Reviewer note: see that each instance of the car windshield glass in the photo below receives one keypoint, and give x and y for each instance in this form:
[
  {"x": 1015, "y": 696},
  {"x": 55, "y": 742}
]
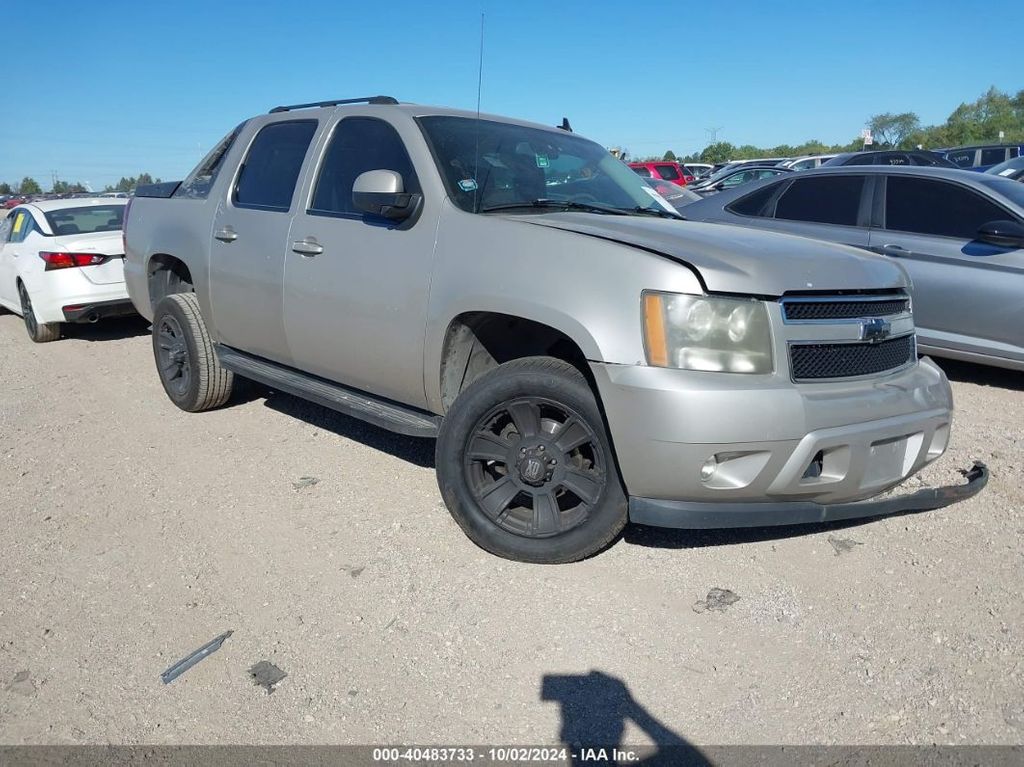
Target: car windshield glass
[
  {"x": 1008, "y": 188},
  {"x": 488, "y": 165},
  {"x": 95, "y": 218},
  {"x": 1008, "y": 167}
]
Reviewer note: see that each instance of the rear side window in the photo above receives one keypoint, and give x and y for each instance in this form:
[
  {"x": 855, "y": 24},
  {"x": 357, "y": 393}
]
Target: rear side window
[
  {"x": 822, "y": 200},
  {"x": 862, "y": 159},
  {"x": 993, "y": 156},
  {"x": 753, "y": 204},
  {"x": 199, "y": 182},
  {"x": 267, "y": 178},
  {"x": 924, "y": 206},
  {"x": 22, "y": 225},
  {"x": 668, "y": 172},
  {"x": 359, "y": 144},
  {"x": 642, "y": 171},
  {"x": 962, "y": 159}
]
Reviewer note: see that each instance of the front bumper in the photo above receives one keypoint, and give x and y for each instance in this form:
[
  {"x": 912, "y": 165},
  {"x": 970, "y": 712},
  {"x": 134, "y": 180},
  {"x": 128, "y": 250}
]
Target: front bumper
[
  {"x": 771, "y": 443},
  {"x": 699, "y": 516}
]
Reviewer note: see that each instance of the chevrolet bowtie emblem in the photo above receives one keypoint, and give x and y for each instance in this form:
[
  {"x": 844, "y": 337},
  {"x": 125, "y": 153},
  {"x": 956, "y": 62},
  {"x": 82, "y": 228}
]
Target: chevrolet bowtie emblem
[{"x": 875, "y": 330}]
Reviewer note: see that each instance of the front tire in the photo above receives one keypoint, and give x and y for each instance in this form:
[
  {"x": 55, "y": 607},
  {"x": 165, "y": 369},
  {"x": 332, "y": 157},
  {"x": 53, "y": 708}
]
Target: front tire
[
  {"x": 525, "y": 464},
  {"x": 40, "y": 332},
  {"x": 186, "y": 361}
]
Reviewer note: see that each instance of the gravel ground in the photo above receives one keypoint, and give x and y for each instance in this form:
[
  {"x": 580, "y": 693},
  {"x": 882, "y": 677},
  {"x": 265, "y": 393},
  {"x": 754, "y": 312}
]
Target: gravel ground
[{"x": 133, "y": 533}]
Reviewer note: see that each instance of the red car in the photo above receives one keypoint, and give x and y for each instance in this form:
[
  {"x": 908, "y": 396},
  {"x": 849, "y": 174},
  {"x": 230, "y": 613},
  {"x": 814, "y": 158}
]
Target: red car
[
  {"x": 13, "y": 202},
  {"x": 669, "y": 171}
]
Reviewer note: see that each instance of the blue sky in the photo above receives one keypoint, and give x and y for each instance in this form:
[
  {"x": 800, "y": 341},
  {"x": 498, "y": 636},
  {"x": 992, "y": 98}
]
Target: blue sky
[{"x": 117, "y": 88}]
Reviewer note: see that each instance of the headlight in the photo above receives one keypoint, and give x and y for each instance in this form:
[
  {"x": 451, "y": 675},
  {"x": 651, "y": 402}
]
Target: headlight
[{"x": 729, "y": 335}]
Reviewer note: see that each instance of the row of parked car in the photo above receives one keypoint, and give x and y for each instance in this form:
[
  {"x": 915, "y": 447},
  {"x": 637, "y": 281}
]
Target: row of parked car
[
  {"x": 704, "y": 179},
  {"x": 583, "y": 354}
]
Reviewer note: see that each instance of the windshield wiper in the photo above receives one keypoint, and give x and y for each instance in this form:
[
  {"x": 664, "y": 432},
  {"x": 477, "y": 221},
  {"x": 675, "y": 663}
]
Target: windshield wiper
[
  {"x": 557, "y": 205},
  {"x": 661, "y": 212}
]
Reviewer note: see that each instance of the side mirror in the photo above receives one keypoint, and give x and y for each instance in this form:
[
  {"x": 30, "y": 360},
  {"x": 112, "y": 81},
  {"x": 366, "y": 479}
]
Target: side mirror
[
  {"x": 381, "y": 193},
  {"x": 1008, "y": 234}
]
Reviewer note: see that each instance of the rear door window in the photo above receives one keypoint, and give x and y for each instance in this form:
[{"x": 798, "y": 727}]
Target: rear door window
[
  {"x": 963, "y": 158},
  {"x": 359, "y": 144},
  {"x": 925, "y": 206},
  {"x": 822, "y": 200},
  {"x": 266, "y": 180},
  {"x": 642, "y": 171},
  {"x": 993, "y": 156}
]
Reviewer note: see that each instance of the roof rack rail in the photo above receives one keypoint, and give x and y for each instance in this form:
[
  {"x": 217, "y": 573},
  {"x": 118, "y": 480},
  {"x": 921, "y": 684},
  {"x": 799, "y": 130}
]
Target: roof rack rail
[{"x": 364, "y": 100}]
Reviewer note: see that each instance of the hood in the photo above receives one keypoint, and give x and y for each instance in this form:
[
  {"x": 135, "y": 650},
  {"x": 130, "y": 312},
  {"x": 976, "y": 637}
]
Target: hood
[{"x": 734, "y": 259}]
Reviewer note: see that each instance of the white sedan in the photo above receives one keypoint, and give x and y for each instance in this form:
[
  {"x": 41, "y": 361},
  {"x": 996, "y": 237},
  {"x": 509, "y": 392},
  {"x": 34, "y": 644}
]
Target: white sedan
[{"x": 63, "y": 261}]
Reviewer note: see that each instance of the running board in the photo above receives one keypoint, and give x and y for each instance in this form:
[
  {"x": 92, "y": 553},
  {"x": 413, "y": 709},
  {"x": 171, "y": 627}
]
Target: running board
[{"x": 380, "y": 412}]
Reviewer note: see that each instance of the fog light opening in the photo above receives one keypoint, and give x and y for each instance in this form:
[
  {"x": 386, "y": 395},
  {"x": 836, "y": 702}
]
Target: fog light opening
[
  {"x": 707, "y": 471},
  {"x": 814, "y": 468}
]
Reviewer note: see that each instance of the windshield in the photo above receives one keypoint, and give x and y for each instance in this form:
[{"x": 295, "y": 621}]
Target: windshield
[
  {"x": 1008, "y": 188},
  {"x": 1007, "y": 168},
  {"x": 488, "y": 165},
  {"x": 95, "y": 218}
]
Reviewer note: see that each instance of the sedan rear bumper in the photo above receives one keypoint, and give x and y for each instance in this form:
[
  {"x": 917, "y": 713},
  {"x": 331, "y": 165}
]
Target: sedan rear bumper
[
  {"x": 91, "y": 312},
  {"x": 693, "y": 515}
]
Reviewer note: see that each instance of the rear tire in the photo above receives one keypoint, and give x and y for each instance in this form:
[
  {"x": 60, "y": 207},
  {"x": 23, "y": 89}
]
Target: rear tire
[
  {"x": 525, "y": 464},
  {"x": 40, "y": 332},
  {"x": 185, "y": 358}
]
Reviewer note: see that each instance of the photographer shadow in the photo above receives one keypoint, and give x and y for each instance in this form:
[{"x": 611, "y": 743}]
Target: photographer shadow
[{"x": 595, "y": 709}]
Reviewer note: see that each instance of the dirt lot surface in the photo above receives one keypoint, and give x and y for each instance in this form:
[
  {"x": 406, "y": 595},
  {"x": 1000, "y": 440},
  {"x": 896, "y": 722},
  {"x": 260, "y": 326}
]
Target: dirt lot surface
[{"x": 132, "y": 533}]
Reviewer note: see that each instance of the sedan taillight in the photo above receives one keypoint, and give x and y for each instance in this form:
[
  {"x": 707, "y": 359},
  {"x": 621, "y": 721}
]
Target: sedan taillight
[{"x": 69, "y": 260}]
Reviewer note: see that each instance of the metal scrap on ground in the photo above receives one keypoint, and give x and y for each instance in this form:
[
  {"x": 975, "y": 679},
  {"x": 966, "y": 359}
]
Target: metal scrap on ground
[{"x": 192, "y": 659}]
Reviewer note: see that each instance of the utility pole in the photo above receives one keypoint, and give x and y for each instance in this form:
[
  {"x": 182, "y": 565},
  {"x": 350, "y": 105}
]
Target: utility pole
[{"x": 712, "y": 134}]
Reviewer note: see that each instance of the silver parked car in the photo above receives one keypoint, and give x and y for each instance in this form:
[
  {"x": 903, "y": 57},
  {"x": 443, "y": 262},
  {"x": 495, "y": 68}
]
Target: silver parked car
[
  {"x": 959, "y": 234},
  {"x": 581, "y": 354}
]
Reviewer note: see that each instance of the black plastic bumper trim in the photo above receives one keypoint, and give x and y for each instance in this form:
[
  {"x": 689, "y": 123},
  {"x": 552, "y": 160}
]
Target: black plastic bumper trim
[
  {"x": 692, "y": 515},
  {"x": 101, "y": 309}
]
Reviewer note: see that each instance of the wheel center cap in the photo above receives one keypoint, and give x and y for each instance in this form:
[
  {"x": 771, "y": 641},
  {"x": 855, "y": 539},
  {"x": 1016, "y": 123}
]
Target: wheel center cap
[{"x": 533, "y": 468}]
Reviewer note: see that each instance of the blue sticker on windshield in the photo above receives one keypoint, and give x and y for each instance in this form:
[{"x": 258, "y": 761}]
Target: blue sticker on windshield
[{"x": 468, "y": 185}]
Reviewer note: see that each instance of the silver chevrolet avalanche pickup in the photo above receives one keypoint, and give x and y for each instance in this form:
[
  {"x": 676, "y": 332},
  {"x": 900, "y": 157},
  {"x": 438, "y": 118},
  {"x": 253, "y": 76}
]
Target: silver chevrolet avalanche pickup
[{"x": 582, "y": 355}]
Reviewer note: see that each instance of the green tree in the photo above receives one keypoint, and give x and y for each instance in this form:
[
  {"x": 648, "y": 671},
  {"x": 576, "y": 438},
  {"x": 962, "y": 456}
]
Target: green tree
[
  {"x": 5, "y": 188},
  {"x": 669, "y": 156},
  {"x": 720, "y": 151},
  {"x": 29, "y": 186},
  {"x": 893, "y": 130}
]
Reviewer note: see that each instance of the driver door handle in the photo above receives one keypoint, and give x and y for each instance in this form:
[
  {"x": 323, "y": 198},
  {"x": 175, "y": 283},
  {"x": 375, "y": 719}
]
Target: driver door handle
[
  {"x": 308, "y": 247},
  {"x": 227, "y": 234}
]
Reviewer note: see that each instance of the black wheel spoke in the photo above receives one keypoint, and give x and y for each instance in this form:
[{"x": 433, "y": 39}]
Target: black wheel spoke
[
  {"x": 585, "y": 485},
  {"x": 496, "y": 498},
  {"x": 546, "y": 516},
  {"x": 571, "y": 435},
  {"x": 526, "y": 417},
  {"x": 486, "y": 446}
]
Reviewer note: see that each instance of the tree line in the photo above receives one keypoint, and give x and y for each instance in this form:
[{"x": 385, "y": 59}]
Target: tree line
[
  {"x": 977, "y": 122},
  {"x": 29, "y": 185}
]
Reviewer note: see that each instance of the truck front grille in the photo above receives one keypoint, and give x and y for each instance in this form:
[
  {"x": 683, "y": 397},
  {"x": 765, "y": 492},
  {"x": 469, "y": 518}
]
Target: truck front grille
[
  {"x": 811, "y": 310},
  {"x": 817, "y": 361}
]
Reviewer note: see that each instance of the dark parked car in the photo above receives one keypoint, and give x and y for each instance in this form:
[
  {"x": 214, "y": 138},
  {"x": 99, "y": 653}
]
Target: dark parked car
[
  {"x": 730, "y": 177},
  {"x": 960, "y": 236},
  {"x": 890, "y": 157},
  {"x": 981, "y": 158},
  {"x": 1012, "y": 169}
]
